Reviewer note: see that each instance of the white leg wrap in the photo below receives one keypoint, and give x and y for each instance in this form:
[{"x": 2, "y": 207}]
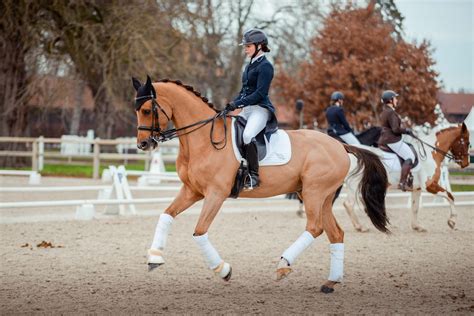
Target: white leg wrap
[
  {"x": 303, "y": 242},
  {"x": 161, "y": 231},
  {"x": 337, "y": 262},
  {"x": 210, "y": 254}
]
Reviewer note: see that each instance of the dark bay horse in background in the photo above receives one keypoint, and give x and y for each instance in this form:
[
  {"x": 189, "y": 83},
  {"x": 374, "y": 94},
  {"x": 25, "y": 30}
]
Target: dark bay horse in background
[{"x": 317, "y": 168}]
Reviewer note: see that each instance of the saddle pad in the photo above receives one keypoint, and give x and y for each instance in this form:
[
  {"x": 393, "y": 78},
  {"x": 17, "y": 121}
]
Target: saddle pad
[
  {"x": 278, "y": 150},
  {"x": 392, "y": 162}
]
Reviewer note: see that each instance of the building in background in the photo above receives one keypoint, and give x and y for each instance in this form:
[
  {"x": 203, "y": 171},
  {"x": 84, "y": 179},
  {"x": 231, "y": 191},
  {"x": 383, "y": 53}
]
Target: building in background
[{"x": 456, "y": 106}]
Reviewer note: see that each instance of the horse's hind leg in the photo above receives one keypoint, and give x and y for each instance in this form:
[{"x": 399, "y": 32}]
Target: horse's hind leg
[
  {"x": 313, "y": 229},
  {"x": 185, "y": 198},
  {"x": 336, "y": 238}
]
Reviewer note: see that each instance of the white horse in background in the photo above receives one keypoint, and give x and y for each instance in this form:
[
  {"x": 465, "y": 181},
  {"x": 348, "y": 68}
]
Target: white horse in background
[{"x": 451, "y": 142}]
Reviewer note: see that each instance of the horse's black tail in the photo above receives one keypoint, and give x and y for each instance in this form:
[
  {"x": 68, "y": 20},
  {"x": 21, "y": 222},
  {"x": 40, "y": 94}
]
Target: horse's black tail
[{"x": 373, "y": 185}]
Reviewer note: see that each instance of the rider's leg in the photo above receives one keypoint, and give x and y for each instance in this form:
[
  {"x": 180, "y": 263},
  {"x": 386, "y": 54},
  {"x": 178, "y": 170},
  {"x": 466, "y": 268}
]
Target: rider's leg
[
  {"x": 256, "y": 122},
  {"x": 404, "y": 151},
  {"x": 350, "y": 139}
]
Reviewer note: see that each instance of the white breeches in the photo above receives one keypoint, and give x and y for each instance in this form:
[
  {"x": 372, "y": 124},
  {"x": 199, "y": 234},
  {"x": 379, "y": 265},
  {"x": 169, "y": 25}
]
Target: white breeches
[
  {"x": 403, "y": 150},
  {"x": 257, "y": 118},
  {"x": 350, "y": 139}
]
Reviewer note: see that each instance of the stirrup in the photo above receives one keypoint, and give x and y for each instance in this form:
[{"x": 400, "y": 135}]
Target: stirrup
[{"x": 248, "y": 184}]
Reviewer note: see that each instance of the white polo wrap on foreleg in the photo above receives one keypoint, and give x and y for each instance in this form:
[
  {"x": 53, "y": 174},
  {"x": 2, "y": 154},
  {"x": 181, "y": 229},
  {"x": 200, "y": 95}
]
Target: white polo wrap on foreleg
[
  {"x": 210, "y": 254},
  {"x": 303, "y": 242},
  {"x": 337, "y": 262},
  {"x": 162, "y": 231}
]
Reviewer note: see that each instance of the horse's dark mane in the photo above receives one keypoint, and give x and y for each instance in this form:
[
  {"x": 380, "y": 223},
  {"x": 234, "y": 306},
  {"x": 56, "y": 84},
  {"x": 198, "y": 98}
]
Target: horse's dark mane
[{"x": 191, "y": 89}]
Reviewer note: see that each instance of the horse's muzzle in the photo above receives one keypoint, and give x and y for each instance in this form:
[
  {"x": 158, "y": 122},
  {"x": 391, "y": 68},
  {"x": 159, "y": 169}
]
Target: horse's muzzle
[{"x": 146, "y": 144}]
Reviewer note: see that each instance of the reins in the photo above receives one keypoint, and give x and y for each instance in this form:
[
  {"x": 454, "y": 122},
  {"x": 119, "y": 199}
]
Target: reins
[
  {"x": 166, "y": 135},
  {"x": 423, "y": 155}
]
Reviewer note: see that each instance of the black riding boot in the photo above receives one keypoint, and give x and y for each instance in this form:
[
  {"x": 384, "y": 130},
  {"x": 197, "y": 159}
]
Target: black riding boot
[
  {"x": 406, "y": 182},
  {"x": 251, "y": 155}
]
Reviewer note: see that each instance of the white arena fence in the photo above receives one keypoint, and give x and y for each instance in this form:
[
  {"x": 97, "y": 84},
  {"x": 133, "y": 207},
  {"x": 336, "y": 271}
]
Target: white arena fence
[
  {"x": 119, "y": 194},
  {"x": 85, "y": 148}
]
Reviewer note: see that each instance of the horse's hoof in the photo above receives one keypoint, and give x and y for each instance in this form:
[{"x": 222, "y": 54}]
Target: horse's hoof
[
  {"x": 153, "y": 266},
  {"x": 300, "y": 213},
  {"x": 451, "y": 223},
  {"x": 419, "y": 229},
  {"x": 227, "y": 277},
  {"x": 326, "y": 289},
  {"x": 362, "y": 229},
  {"x": 283, "y": 273}
]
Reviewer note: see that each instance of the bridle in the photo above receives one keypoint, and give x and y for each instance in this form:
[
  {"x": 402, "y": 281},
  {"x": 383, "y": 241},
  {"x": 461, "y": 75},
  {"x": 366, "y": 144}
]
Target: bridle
[
  {"x": 454, "y": 156},
  {"x": 158, "y": 135}
]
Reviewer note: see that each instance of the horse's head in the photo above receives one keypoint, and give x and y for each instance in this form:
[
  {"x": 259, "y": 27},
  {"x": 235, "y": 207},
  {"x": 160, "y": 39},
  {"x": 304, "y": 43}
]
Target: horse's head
[
  {"x": 152, "y": 117},
  {"x": 458, "y": 140}
]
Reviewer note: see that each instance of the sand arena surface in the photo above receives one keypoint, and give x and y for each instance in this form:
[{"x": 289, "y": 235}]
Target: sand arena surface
[{"x": 102, "y": 265}]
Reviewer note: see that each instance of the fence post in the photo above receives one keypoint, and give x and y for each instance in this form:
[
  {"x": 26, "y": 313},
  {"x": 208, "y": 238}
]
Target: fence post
[
  {"x": 40, "y": 153},
  {"x": 96, "y": 167},
  {"x": 34, "y": 155}
]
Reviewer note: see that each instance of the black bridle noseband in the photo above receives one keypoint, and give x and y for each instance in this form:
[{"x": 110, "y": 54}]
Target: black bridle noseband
[{"x": 157, "y": 135}]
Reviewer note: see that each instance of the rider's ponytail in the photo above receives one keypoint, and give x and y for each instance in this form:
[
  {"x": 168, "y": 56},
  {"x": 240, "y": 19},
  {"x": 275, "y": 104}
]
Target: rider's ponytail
[{"x": 265, "y": 48}]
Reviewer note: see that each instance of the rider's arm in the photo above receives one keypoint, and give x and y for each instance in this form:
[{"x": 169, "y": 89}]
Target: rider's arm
[
  {"x": 264, "y": 80},
  {"x": 395, "y": 125},
  {"x": 342, "y": 119}
]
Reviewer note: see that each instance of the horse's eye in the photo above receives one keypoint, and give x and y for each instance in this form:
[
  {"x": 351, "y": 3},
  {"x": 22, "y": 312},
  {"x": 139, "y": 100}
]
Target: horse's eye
[{"x": 146, "y": 112}]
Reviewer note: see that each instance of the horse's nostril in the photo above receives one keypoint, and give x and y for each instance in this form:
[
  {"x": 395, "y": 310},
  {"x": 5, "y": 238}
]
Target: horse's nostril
[{"x": 143, "y": 145}]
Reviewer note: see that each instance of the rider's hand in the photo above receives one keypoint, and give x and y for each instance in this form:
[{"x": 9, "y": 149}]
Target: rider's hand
[
  {"x": 230, "y": 106},
  {"x": 409, "y": 131}
]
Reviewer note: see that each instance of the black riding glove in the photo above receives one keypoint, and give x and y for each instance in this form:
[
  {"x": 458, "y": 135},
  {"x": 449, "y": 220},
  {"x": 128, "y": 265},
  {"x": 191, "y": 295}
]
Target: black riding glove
[
  {"x": 230, "y": 106},
  {"x": 408, "y": 131}
]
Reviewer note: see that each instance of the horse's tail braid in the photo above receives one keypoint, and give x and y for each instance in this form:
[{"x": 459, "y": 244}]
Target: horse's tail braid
[{"x": 373, "y": 186}]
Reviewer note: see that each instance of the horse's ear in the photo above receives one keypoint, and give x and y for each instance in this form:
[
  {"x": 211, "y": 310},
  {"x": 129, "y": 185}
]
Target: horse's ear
[
  {"x": 464, "y": 128},
  {"x": 149, "y": 86},
  {"x": 136, "y": 83}
]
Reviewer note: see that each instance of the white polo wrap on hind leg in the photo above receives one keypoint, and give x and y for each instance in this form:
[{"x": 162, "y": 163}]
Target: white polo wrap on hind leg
[
  {"x": 162, "y": 231},
  {"x": 336, "y": 272},
  {"x": 303, "y": 242}
]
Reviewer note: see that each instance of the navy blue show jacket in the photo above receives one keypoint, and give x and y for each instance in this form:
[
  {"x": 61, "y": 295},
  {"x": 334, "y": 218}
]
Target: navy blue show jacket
[
  {"x": 337, "y": 120},
  {"x": 256, "y": 81}
]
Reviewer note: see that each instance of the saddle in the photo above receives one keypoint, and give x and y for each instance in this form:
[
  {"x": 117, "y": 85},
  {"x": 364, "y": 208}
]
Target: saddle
[
  {"x": 272, "y": 151},
  {"x": 239, "y": 126},
  {"x": 388, "y": 150}
]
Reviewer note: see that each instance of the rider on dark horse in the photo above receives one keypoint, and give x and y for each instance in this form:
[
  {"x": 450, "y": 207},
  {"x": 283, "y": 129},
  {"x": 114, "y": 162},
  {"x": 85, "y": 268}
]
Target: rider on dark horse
[
  {"x": 337, "y": 123},
  {"x": 391, "y": 136},
  {"x": 253, "y": 98}
]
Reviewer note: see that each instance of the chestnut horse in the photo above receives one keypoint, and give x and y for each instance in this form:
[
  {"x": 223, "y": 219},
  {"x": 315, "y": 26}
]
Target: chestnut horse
[
  {"x": 431, "y": 149},
  {"x": 207, "y": 167}
]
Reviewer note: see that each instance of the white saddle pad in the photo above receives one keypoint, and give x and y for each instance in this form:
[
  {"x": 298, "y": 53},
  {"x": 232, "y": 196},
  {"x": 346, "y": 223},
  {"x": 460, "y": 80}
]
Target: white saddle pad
[
  {"x": 392, "y": 163},
  {"x": 278, "y": 149}
]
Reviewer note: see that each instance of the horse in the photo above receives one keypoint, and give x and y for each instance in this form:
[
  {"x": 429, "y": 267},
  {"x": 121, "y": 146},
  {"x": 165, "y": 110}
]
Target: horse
[
  {"x": 207, "y": 168},
  {"x": 454, "y": 139}
]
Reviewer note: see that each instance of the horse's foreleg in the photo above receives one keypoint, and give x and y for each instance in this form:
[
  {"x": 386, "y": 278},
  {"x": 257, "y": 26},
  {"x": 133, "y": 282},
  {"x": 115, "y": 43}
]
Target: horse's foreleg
[
  {"x": 212, "y": 204},
  {"x": 415, "y": 206},
  {"x": 452, "y": 209},
  {"x": 336, "y": 238},
  {"x": 185, "y": 198}
]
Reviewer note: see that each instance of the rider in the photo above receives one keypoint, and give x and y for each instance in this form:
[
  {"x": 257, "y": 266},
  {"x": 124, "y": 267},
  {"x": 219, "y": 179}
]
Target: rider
[
  {"x": 337, "y": 120},
  {"x": 391, "y": 136},
  {"x": 253, "y": 98}
]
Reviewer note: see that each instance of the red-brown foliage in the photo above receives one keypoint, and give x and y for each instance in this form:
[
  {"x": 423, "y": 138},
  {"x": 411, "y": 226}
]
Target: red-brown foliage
[{"x": 357, "y": 53}]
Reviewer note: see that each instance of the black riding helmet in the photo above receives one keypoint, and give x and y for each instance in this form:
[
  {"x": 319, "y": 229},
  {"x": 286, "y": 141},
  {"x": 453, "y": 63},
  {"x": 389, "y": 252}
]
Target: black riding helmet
[
  {"x": 336, "y": 96},
  {"x": 388, "y": 95},
  {"x": 254, "y": 36}
]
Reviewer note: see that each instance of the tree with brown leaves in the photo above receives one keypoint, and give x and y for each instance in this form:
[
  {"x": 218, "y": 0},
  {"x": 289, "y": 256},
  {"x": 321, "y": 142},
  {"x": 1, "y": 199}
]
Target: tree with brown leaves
[{"x": 360, "y": 54}]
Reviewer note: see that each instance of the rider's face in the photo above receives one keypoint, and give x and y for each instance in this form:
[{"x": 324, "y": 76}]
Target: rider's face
[
  {"x": 249, "y": 50},
  {"x": 395, "y": 102}
]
